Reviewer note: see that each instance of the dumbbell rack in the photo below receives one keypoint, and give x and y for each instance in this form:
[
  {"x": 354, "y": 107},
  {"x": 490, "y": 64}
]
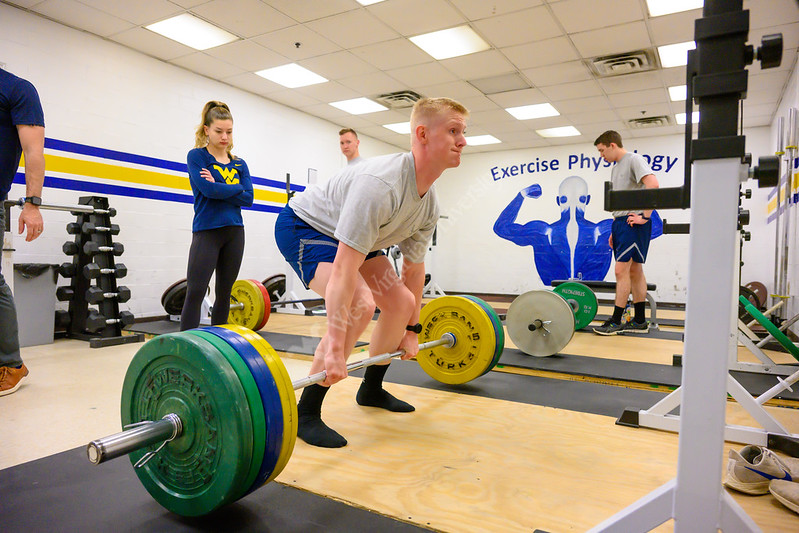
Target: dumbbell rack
[{"x": 79, "y": 310}]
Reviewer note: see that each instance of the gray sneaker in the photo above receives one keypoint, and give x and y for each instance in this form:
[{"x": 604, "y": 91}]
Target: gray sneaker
[
  {"x": 608, "y": 328},
  {"x": 786, "y": 492},
  {"x": 634, "y": 327}
]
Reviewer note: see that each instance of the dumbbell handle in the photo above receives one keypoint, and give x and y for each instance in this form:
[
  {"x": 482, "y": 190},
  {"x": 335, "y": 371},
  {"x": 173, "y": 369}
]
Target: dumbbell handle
[{"x": 170, "y": 427}]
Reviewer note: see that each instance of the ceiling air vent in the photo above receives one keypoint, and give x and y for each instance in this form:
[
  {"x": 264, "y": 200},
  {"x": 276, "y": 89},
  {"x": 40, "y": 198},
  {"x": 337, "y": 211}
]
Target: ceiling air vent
[
  {"x": 649, "y": 122},
  {"x": 627, "y": 63},
  {"x": 398, "y": 99}
]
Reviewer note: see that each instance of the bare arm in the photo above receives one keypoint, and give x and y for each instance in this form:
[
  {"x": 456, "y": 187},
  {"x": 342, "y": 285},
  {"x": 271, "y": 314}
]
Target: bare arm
[
  {"x": 651, "y": 182},
  {"x": 31, "y": 139}
]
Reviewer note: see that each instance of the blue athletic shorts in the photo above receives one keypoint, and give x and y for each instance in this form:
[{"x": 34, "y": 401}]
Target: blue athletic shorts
[
  {"x": 630, "y": 243},
  {"x": 304, "y": 247}
]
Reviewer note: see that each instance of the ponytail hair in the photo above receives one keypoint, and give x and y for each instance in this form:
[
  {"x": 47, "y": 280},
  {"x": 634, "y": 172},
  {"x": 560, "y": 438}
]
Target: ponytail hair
[{"x": 212, "y": 111}]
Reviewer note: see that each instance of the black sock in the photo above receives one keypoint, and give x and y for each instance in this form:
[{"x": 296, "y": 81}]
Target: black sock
[
  {"x": 640, "y": 317},
  {"x": 310, "y": 427},
  {"x": 617, "y": 312},
  {"x": 372, "y": 394}
]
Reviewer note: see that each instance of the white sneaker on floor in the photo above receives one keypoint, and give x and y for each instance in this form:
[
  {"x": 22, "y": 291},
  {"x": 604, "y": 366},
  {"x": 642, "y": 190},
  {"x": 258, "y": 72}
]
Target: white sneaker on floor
[{"x": 751, "y": 469}]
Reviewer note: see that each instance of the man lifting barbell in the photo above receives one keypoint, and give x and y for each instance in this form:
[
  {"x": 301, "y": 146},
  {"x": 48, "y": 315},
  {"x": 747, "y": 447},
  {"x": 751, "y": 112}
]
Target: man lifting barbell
[{"x": 333, "y": 235}]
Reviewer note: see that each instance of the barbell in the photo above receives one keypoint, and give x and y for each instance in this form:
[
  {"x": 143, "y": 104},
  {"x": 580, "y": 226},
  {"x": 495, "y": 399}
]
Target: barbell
[{"x": 210, "y": 414}]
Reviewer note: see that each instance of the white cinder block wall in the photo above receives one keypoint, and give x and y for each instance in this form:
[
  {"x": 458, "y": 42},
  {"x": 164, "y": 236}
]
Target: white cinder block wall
[{"x": 102, "y": 94}]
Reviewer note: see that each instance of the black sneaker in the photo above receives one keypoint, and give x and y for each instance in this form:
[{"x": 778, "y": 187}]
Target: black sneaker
[
  {"x": 634, "y": 327},
  {"x": 609, "y": 328}
]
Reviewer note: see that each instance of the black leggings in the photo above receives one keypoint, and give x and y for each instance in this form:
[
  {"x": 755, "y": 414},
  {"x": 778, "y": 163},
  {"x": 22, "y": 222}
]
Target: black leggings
[{"x": 219, "y": 249}]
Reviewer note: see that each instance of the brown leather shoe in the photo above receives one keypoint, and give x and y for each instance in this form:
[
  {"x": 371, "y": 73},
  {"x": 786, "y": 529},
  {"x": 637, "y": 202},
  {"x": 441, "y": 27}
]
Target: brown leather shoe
[{"x": 11, "y": 378}]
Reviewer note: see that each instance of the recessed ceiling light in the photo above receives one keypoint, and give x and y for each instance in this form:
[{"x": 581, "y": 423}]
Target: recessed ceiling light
[
  {"x": 478, "y": 140},
  {"x": 192, "y": 31},
  {"x": 678, "y": 93},
  {"x": 675, "y": 55},
  {"x": 666, "y": 7},
  {"x": 399, "y": 127},
  {"x": 291, "y": 76},
  {"x": 453, "y": 42},
  {"x": 680, "y": 118},
  {"x": 359, "y": 106},
  {"x": 565, "y": 131},
  {"x": 526, "y": 112}
]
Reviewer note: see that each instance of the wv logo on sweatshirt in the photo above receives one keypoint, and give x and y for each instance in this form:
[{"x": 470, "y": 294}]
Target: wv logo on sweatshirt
[{"x": 230, "y": 175}]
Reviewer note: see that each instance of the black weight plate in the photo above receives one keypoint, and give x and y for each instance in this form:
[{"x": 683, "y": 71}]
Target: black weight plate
[{"x": 275, "y": 286}]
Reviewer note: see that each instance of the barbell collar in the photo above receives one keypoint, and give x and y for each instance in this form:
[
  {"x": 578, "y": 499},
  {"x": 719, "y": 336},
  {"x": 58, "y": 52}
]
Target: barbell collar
[
  {"x": 447, "y": 339},
  {"x": 137, "y": 436}
]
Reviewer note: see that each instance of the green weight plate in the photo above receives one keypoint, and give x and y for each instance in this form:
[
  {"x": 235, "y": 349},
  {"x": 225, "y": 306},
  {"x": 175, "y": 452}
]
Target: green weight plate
[
  {"x": 270, "y": 397},
  {"x": 207, "y": 465},
  {"x": 253, "y": 399},
  {"x": 581, "y": 299},
  {"x": 475, "y": 343},
  {"x": 499, "y": 332},
  {"x": 287, "y": 396},
  {"x": 781, "y": 337},
  {"x": 540, "y": 323}
]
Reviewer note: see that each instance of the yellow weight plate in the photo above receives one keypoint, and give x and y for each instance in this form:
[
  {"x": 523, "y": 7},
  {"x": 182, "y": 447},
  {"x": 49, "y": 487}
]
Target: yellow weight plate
[
  {"x": 475, "y": 340},
  {"x": 251, "y": 314},
  {"x": 288, "y": 399}
]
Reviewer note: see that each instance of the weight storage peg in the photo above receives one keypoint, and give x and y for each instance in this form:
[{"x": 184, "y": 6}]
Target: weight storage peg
[
  {"x": 64, "y": 294},
  {"x": 90, "y": 228},
  {"x": 70, "y": 248},
  {"x": 92, "y": 248},
  {"x": 67, "y": 270},
  {"x": 95, "y": 321},
  {"x": 96, "y": 295},
  {"x": 92, "y": 271}
]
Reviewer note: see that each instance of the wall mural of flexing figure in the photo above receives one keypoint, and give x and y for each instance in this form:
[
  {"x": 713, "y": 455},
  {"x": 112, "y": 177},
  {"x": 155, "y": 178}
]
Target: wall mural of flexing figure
[{"x": 571, "y": 247}]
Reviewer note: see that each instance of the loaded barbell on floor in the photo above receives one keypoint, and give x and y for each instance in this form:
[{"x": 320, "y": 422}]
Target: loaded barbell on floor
[{"x": 210, "y": 414}]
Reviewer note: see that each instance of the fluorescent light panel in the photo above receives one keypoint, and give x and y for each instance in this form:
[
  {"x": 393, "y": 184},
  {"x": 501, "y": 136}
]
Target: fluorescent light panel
[
  {"x": 678, "y": 93},
  {"x": 667, "y": 7},
  {"x": 680, "y": 118},
  {"x": 675, "y": 55},
  {"x": 291, "y": 76},
  {"x": 527, "y": 112},
  {"x": 192, "y": 31},
  {"x": 478, "y": 140},
  {"x": 453, "y": 42},
  {"x": 358, "y": 106},
  {"x": 565, "y": 131},
  {"x": 399, "y": 127}
]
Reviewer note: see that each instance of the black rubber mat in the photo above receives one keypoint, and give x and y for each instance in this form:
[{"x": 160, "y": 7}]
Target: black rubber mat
[
  {"x": 651, "y": 334},
  {"x": 65, "y": 493}
]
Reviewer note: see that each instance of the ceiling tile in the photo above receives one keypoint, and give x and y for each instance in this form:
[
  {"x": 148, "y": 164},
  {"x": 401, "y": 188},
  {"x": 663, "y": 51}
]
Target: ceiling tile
[
  {"x": 673, "y": 76},
  {"x": 247, "y": 55},
  {"x": 455, "y": 89},
  {"x": 207, "y": 65},
  {"x": 425, "y": 74},
  {"x": 246, "y": 18},
  {"x": 549, "y": 52},
  {"x": 631, "y": 82},
  {"x": 642, "y": 97},
  {"x": 493, "y": 116},
  {"x": 612, "y": 40},
  {"x": 520, "y": 27},
  {"x": 569, "y": 71},
  {"x": 337, "y": 65},
  {"x": 341, "y": 29},
  {"x": 579, "y": 105},
  {"x": 82, "y": 16},
  {"x": 480, "y": 9},
  {"x": 307, "y": 10},
  {"x": 292, "y": 98},
  {"x": 328, "y": 92},
  {"x": 392, "y": 54},
  {"x": 592, "y": 117},
  {"x": 325, "y": 111},
  {"x": 138, "y": 12},
  {"x": 253, "y": 83},
  {"x": 566, "y": 91},
  {"x": 403, "y": 15},
  {"x": 151, "y": 43},
  {"x": 582, "y": 15},
  {"x": 188, "y": 3},
  {"x": 518, "y": 98},
  {"x": 24, "y": 3},
  {"x": 479, "y": 103},
  {"x": 373, "y": 84},
  {"x": 284, "y": 42},
  {"x": 644, "y": 110},
  {"x": 768, "y": 13},
  {"x": 675, "y": 28},
  {"x": 479, "y": 65}
]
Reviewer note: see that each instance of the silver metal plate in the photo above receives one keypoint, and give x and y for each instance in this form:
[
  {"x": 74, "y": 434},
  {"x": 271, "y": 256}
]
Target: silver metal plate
[{"x": 540, "y": 323}]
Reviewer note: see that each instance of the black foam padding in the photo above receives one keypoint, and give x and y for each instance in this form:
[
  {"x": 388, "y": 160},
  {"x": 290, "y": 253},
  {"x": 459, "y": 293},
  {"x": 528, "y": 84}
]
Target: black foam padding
[{"x": 66, "y": 493}]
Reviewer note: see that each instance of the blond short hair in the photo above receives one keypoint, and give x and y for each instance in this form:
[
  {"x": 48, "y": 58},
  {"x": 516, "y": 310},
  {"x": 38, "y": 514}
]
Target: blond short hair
[{"x": 426, "y": 109}]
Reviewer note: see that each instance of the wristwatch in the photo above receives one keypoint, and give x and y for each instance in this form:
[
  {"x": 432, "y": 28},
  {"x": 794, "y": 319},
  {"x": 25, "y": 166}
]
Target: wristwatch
[
  {"x": 416, "y": 328},
  {"x": 35, "y": 200}
]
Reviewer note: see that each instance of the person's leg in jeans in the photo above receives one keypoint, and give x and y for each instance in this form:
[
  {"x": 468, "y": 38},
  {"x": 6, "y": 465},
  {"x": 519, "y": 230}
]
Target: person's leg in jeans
[
  {"x": 11, "y": 368},
  {"x": 227, "y": 270}
]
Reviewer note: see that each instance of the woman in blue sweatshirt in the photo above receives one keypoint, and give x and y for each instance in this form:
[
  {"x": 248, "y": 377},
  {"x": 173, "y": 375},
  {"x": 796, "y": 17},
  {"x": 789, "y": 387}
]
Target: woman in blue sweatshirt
[{"x": 221, "y": 185}]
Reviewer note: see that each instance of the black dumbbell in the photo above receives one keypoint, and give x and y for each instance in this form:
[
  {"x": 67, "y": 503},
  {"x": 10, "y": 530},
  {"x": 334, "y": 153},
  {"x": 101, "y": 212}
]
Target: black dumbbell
[
  {"x": 73, "y": 228},
  {"x": 92, "y": 248},
  {"x": 96, "y": 295},
  {"x": 70, "y": 248},
  {"x": 64, "y": 294},
  {"x": 88, "y": 227},
  {"x": 95, "y": 321},
  {"x": 93, "y": 270},
  {"x": 67, "y": 270},
  {"x": 62, "y": 319}
]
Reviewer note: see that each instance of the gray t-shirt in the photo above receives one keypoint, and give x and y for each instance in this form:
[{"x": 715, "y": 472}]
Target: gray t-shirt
[
  {"x": 626, "y": 175},
  {"x": 373, "y": 205}
]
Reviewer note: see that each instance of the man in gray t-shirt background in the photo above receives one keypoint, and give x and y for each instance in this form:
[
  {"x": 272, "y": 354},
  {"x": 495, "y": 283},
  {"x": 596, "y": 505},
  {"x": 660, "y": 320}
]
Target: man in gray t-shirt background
[
  {"x": 630, "y": 234},
  {"x": 333, "y": 234}
]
